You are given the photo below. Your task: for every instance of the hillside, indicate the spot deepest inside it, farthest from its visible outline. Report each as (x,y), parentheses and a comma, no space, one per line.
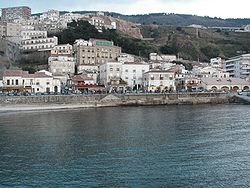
(205,44)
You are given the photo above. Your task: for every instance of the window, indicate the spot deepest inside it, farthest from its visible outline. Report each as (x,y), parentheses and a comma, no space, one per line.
(47,83)
(126,70)
(37,89)
(111,69)
(8,82)
(16,82)
(12,82)
(117,69)
(134,71)
(37,83)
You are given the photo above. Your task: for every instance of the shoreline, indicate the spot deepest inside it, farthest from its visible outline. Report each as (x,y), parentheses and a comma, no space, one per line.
(44,103)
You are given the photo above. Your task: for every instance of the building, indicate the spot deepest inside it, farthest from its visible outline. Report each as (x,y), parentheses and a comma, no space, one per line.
(95,52)
(239,66)
(110,71)
(62,50)
(30,33)
(22,81)
(123,57)
(225,84)
(162,57)
(52,15)
(132,73)
(159,80)
(12,13)
(97,22)
(216,62)
(39,44)
(83,83)
(62,65)
(10,29)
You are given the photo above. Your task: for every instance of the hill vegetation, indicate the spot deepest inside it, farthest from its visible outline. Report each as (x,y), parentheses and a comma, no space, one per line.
(185,42)
(84,30)
(192,44)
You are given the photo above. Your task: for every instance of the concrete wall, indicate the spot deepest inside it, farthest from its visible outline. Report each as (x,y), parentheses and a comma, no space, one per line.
(118,100)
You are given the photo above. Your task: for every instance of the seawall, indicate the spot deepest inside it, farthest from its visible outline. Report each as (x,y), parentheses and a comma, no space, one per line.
(105,100)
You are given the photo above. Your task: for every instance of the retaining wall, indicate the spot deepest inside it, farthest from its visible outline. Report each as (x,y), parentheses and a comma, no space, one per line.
(118,100)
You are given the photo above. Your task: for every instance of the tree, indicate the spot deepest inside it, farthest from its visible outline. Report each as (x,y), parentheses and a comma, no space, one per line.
(210,51)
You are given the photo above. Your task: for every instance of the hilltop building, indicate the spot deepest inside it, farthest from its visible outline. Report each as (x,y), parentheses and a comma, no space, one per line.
(12,13)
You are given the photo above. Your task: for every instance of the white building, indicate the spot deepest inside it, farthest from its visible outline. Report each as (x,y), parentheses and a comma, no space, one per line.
(123,57)
(97,22)
(216,62)
(110,71)
(91,68)
(62,50)
(22,81)
(239,66)
(132,73)
(62,65)
(52,15)
(39,44)
(32,34)
(162,57)
(158,80)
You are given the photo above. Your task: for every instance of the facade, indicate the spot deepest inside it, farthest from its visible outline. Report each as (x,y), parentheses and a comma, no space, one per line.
(162,57)
(123,57)
(10,30)
(62,65)
(91,68)
(28,34)
(62,50)
(22,81)
(97,22)
(52,15)
(239,66)
(225,84)
(158,80)
(132,73)
(110,71)
(216,62)
(11,13)
(39,44)
(95,52)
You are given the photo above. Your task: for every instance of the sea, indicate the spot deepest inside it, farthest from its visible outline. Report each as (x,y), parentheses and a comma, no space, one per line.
(153,146)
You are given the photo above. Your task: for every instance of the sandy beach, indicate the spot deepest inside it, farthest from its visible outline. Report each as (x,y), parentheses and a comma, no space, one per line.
(17,108)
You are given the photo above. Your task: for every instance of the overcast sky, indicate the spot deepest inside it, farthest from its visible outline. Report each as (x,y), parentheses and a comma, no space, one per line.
(213,8)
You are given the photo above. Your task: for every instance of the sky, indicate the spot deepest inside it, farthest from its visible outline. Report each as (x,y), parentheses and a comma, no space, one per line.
(212,8)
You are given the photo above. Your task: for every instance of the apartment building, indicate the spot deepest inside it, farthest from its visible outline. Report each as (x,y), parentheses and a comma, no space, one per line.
(62,65)
(12,13)
(132,73)
(39,44)
(158,80)
(95,52)
(239,66)
(110,71)
(62,50)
